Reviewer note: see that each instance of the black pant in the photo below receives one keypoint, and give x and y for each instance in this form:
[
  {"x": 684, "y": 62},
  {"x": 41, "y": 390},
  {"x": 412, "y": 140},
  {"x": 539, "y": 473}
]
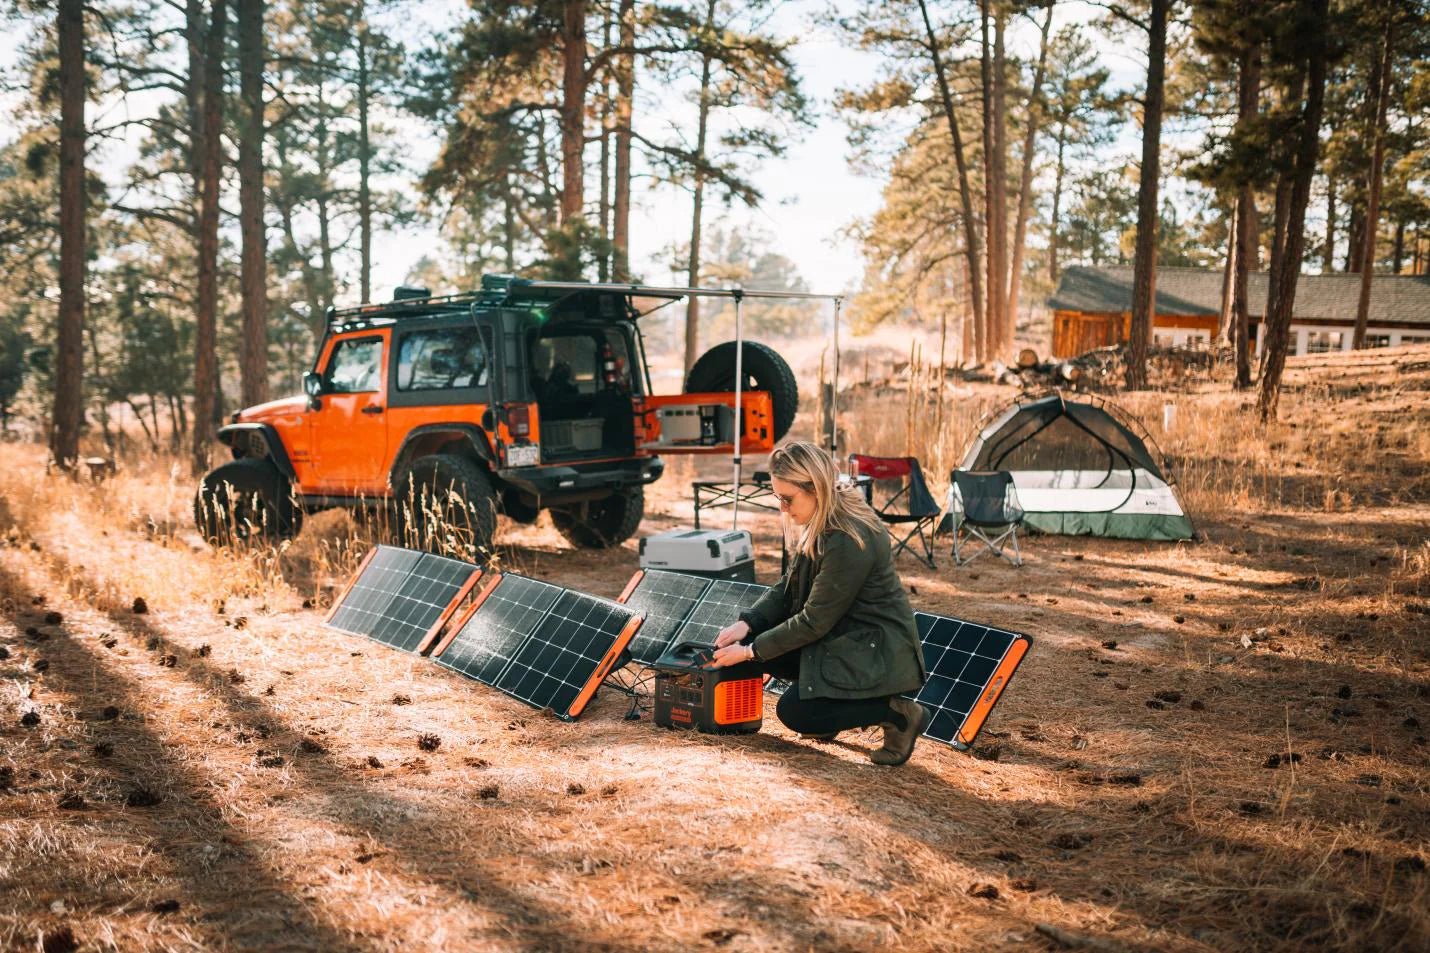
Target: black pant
[{"x": 824, "y": 716}]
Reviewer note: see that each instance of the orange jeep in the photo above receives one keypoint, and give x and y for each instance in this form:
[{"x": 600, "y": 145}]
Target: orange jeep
[{"x": 520, "y": 397}]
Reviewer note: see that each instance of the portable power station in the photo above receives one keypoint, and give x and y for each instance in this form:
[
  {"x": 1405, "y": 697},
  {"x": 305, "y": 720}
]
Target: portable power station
[{"x": 690, "y": 693}]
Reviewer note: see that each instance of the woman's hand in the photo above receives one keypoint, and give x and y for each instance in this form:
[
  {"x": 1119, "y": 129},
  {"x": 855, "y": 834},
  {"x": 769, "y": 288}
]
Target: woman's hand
[
  {"x": 732, "y": 634},
  {"x": 732, "y": 654}
]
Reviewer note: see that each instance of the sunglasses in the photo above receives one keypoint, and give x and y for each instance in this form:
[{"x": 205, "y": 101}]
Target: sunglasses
[{"x": 787, "y": 501}]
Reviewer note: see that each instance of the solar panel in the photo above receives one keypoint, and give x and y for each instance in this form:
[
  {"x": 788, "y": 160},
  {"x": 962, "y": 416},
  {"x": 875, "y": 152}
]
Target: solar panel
[
  {"x": 969, "y": 666},
  {"x": 360, "y": 607},
  {"x": 548, "y": 646},
  {"x": 423, "y": 601},
  {"x": 720, "y": 606},
  {"x": 568, "y": 653},
  {"x": 666, "y": 599},
  {"x": 402, "y": 598},
  {"x": 488, "y": 636}
]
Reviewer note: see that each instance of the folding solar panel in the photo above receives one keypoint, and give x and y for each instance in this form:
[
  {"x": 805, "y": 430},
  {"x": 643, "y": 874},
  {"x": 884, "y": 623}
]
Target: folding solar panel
[
  {"x": 485, "y": 639},
  {"x": 402, "y": 598},
  {"x": 666, "y": 599},
  {"x": 548, "y": 646},
  {"x": 720, "y": 606},
  {"x": 572, "y": 648},
  {"x": 969, "y": 666},
  {"x": 360, "y": 606},
  {"x": 424, "y": 601}
]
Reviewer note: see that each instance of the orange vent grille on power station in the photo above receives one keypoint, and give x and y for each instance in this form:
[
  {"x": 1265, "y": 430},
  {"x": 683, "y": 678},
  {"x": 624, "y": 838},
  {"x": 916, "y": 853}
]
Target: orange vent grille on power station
[{"x": 741, "y": 701}]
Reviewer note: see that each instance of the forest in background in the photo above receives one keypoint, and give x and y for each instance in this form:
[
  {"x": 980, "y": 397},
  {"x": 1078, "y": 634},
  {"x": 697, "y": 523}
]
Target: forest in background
[{"x": 267, "y": 155}]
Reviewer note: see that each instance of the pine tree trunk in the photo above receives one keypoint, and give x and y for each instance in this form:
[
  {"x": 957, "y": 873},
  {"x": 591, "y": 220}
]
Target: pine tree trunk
[
  {"x": 603, "y": 262},
  {"x": 1057, "y": 205},
  {"x": 1278, "y": 319},
  {"x": 1224, "y": 333},
  {"x": 993, "y": 321},
  {"x": 965, "y": 195},
  {"x": 364, "y": 106},
  {"x": 1144, "y": 262},
  {"x": 253, "y": 266},
  {"x": 692, "y": 308},
  {"x": 1328, "y": 255},
  {"x": 1025, "y": 188},
  {"x": 1280, "y": 215},
  {"x": 1241, "y": 302},
  {"x": 194, "y": 94},
  {"x": 625, "y": 97},
  {"x": 1247, "y": 222},
  {"x": 1354, "y": 231},
  {"x": 206, "y": 298},
  {"x": 69, "y": 339},
  {"x": 1381, "y": 91},
  {"x": 1397, "y": 254},
  {"x": 998, "y": 241},
  {"x": 573, "y": 110},
  {"x": 508, "y": 234}
]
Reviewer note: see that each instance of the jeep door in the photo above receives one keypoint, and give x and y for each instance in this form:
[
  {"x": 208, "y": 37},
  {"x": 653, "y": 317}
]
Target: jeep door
[{"x": 349, "y": 426}]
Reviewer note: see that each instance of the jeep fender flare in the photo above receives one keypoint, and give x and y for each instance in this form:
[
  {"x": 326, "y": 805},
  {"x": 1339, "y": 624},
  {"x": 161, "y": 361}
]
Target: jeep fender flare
[
  {"x": 258, "y": 440},
  {"x": 472, "y": 438}
]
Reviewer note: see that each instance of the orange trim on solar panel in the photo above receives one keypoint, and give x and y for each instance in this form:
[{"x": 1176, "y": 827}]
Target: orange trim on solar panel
[
  {"x": 456, "y": 627},
  {"x": 979, "y": 713},
  {"x": 739, "y": 701},
  {"x": 436, "y": 629},
  {"x": 631, "y": 586},
  {"x": 608, "y": 661},
  {"x": 333, "y": 609}
]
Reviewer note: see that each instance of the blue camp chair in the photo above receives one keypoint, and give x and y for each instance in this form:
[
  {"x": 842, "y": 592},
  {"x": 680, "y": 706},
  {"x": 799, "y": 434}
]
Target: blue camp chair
[
  {"x": 984, "y": 506},
  {"x": 907, "y": 504}
]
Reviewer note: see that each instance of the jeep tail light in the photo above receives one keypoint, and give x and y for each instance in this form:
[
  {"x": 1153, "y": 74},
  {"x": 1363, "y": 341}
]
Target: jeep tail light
[{"x": 518, "y": 420}]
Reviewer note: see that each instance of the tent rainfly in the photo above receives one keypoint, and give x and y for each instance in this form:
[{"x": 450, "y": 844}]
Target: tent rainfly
[{"x": 1081, "y": 467}]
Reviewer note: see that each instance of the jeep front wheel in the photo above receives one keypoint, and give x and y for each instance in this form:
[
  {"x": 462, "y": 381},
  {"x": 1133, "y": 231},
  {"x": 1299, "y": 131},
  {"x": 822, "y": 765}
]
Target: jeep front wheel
[
  {"x": 245, "y": 501},
  {"x": 445, "y": 504},
  {"x": 601, "y": 524}
]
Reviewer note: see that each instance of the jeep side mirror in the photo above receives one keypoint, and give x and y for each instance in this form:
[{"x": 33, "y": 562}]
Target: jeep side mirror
[{"x": 312, "y": 384}]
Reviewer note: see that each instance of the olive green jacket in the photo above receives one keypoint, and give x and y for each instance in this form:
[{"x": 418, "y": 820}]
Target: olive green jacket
[{"x": 847, "y": 615}]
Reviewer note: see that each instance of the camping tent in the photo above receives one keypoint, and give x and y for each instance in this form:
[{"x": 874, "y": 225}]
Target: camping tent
[{"x": 1080, "y": 466}]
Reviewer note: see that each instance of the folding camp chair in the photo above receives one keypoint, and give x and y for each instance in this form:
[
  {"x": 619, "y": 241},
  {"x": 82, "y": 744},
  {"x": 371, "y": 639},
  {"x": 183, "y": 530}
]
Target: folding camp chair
[
  {"x": 909, "y": 503},
  {"x": 985, "y": 506}
]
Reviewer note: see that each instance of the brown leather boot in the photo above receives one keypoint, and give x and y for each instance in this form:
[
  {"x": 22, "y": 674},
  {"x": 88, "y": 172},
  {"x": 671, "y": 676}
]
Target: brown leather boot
[{"x": 899, "y": 744}]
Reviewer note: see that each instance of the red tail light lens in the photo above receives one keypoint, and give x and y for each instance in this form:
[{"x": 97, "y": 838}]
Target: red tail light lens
[{"x": 518, "y": 420}]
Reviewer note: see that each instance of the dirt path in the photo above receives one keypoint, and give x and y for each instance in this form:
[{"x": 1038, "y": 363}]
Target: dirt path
[{"x": 1213, "y": 746}]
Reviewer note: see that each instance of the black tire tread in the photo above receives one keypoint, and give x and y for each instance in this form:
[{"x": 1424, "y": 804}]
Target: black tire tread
[
  {"x": 603, "y": 533},
  {"x": 473, "y": 484},
  {"x": 715, "y": 371},
  {"x": 249, "y": 474}
]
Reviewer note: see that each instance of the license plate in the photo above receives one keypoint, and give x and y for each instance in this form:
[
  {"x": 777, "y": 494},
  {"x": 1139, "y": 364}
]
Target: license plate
[{"x": 528, "y": 456}]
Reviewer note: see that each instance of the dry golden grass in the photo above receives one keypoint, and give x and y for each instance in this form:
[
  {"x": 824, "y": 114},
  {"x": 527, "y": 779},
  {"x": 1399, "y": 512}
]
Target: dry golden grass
[{"x": 218, "y": 771}]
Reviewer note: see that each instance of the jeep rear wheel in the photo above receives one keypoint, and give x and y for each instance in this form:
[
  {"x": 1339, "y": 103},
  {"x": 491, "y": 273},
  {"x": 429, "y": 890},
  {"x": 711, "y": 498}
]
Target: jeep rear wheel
[
  {"x": 763, "y": 369},
  {"x": 445, "y": 504},
  {"x": 246, "y": 500},
  {"x": 601, "y": 524}
]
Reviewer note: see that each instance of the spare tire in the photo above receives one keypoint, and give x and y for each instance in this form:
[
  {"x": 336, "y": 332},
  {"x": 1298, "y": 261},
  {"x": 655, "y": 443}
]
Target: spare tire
[{"x": 763, "y": 369}]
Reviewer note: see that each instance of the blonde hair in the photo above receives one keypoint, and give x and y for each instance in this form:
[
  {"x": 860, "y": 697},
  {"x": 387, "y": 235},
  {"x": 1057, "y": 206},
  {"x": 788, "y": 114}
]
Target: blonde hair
[{"x": 836, "y": 508}]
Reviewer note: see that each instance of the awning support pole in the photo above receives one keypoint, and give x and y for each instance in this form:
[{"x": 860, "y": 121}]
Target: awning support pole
[
  {"x": 834, "y": 391},
  {"x": 739, "y": 410}
]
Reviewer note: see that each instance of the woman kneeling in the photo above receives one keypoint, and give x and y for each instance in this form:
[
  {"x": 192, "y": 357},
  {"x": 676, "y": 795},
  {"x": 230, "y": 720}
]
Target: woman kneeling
[{"x": 838, "y": 626}]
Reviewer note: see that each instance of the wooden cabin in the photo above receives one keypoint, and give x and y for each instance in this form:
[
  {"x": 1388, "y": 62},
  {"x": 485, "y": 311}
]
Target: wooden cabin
[{"x": 1092, "y": 307}]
